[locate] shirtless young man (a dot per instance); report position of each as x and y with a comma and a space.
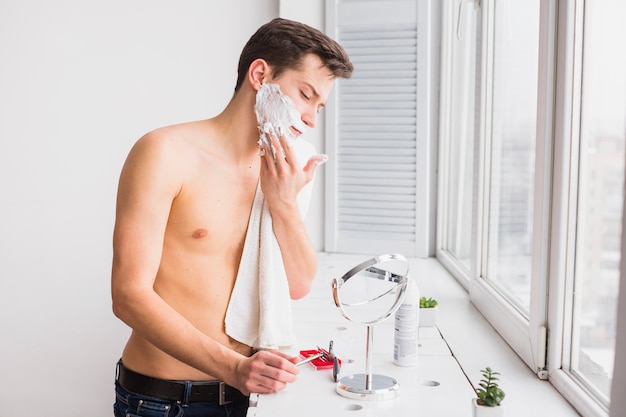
184, 201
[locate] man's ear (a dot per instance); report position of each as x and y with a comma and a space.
258, 73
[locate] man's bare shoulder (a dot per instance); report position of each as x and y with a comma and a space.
174, 144
179, 136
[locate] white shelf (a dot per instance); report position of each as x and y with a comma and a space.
437, 386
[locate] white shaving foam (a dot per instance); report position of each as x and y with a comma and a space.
276, 113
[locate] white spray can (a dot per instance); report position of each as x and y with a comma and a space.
406, 327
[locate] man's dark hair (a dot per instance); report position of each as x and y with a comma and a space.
283, 43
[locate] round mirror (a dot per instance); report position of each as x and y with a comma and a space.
372, 291
368, 294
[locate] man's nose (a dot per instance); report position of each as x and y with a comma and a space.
309, 118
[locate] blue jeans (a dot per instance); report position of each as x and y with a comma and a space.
128, 404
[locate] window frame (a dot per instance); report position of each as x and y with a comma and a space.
526, 335
563, 251
449, 27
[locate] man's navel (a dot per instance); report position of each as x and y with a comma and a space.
200, 233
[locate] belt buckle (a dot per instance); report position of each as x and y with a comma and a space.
222, 394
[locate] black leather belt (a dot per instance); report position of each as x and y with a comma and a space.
207, 391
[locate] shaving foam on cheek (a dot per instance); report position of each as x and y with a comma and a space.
276, 113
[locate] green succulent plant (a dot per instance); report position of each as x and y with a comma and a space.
489, 393
428, 302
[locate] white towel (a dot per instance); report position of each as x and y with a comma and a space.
259, 310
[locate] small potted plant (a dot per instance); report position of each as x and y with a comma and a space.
488, 396
428, 312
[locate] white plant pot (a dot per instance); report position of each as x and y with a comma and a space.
428, 317
485, 410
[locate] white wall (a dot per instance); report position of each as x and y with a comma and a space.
80, 81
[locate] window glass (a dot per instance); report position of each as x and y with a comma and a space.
600, 194
512, 150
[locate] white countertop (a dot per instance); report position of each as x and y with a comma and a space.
427, 386
437, 386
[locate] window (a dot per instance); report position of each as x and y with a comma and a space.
496, 69
547, 212
600, 186
457, 131
511, 158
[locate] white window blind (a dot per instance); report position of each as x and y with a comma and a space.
372, 134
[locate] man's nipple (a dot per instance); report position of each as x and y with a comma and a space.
200, 233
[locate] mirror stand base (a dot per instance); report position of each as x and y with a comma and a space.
354, 387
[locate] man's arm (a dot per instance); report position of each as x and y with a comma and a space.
149, 182
281, 181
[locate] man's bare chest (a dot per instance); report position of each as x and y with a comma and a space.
215, 211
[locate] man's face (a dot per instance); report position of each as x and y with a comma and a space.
308, 87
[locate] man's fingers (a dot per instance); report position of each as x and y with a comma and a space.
280, 361
312, 164
271, 371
